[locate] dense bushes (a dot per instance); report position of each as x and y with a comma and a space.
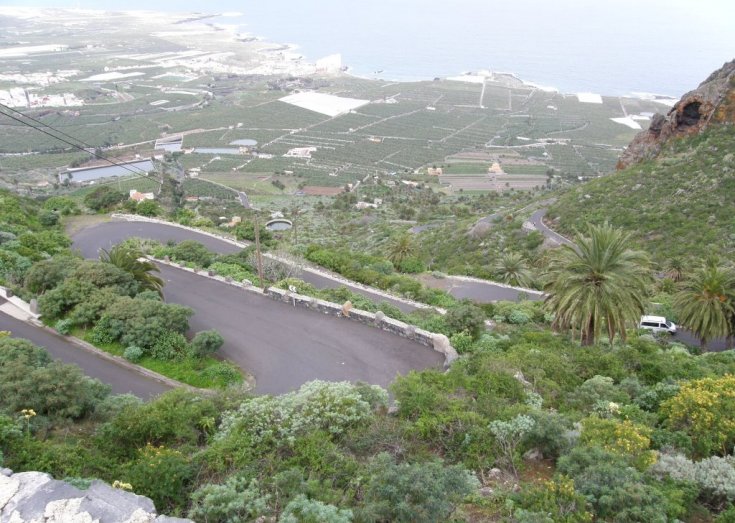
378, 272
596, 417
103, 198
28, 234
29, 379
115, 309
187, 251
141, 322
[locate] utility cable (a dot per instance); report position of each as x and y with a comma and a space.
137, 172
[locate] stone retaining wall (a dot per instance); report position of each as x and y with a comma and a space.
438, 342
306, 267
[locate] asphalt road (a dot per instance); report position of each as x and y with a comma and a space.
121, 379
537, 219
105, 235
482, 292
281, 346
284, 346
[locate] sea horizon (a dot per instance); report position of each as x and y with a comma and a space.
618, 48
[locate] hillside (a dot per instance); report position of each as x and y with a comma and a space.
680, 205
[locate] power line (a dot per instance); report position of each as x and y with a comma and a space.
138, 172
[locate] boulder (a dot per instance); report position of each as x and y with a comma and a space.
37, 497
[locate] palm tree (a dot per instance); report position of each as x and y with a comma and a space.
706, 302
675, 271
512, 269
131, 260
597, 282
400, 248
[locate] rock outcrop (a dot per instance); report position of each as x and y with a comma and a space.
712, 102
35, 497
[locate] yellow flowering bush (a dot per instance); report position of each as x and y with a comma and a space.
704, 409
556, 499
163, 474
620, 437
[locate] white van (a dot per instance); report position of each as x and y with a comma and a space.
657, 324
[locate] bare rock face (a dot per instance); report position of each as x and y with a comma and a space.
38, 498
712, 102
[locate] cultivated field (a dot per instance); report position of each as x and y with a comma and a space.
497, 183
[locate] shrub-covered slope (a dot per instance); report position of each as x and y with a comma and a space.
680, 205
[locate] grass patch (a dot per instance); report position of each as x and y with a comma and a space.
204, 373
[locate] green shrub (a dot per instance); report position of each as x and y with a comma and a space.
64, 327
47, 274
466, 317
518, 318
89, 311
141, 322
237, 499
416, 493
133, 354
176, 418
317, 405
703, 408
223, 372
553, 501
148, 208
191, 251
103, 198
165, 475
550, 433
206, 343
462, 342
304, 510
170, 345
412, 266
29, 379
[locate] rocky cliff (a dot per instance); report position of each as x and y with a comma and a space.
712, 102
35, 497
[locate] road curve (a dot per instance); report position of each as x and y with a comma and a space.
105, 235
537, 219
121, 379
488, 292
281, 346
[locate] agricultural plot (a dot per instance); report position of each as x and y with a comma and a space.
405, 126
202, 188
497, 183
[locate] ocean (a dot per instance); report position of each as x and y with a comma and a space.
614, 47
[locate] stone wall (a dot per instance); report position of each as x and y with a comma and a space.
438, 342
37, 497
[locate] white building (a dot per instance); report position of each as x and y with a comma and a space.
140, 196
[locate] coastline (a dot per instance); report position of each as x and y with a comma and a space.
231, 48
483, 75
